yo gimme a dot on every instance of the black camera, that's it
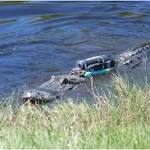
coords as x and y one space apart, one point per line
96 63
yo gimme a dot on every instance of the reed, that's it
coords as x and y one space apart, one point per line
119 120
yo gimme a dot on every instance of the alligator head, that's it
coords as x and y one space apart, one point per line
53 89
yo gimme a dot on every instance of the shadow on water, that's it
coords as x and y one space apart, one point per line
40 39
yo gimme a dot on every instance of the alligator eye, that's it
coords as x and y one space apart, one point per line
65 81
79 65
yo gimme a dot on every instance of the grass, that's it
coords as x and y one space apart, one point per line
119 120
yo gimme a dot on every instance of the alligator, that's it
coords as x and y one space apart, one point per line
83 71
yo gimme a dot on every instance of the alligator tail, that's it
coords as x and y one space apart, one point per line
134 57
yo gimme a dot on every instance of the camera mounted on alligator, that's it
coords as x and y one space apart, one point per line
60 85
93 66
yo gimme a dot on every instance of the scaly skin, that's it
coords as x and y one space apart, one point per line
53 89
134 57
58 85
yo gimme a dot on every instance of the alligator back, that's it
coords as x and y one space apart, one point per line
57 86
134 57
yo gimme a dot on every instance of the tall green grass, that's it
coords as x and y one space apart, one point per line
119 120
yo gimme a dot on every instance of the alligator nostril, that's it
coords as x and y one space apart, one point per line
28 100
25 100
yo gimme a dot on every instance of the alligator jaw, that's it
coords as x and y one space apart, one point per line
39 97
53 89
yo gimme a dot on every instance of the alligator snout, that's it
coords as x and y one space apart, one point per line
39 97
53 89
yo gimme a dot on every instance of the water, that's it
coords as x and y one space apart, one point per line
40 39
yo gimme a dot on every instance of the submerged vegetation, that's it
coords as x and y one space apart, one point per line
105 124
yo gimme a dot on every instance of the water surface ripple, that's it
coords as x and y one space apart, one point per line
38 39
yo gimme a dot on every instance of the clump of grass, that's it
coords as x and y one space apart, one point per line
80 125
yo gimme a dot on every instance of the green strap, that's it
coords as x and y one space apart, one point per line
89 74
